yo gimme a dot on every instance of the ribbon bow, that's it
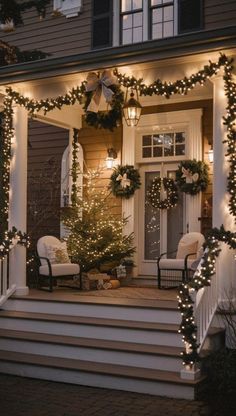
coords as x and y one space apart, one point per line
99 86
124 181
189 176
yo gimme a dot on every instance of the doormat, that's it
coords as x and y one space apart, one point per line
132 293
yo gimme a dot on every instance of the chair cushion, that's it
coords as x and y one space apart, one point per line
178 264
187 248
57 253
63 269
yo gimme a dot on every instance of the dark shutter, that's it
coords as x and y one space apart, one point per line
190 15
102 23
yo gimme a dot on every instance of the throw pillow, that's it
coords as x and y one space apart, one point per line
185 249
57 253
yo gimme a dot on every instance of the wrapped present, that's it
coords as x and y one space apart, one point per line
94 281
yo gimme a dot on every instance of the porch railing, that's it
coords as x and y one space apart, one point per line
205 306
7 288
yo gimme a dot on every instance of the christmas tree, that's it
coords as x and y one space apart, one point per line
95 233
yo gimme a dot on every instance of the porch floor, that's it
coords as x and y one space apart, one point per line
128 296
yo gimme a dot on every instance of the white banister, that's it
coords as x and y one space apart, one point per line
7 287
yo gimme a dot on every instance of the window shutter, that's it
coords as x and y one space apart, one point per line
101 25
190 15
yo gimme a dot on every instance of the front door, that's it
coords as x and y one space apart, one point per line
159 230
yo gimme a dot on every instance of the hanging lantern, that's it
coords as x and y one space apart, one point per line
132 110
111 156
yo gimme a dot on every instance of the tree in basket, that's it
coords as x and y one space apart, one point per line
95 233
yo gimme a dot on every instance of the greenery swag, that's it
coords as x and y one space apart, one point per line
165 89
124 181
154 193
192 176
10 238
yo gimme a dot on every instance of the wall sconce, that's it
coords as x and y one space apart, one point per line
211 155
132 109
111 156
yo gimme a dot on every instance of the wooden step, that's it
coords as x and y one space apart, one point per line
92 373
114 323
91 343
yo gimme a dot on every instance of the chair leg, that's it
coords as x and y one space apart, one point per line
158 278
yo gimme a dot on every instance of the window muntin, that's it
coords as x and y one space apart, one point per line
164 145
131 21
162 19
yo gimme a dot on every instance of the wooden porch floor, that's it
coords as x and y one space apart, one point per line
128 296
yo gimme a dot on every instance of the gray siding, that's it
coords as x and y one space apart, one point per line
219 13
56 35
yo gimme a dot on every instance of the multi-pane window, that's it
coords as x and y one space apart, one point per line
190 15
131 21
163 145
162 19
101 25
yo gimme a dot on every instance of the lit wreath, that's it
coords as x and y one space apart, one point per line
154 193
192 176
105 85
124 181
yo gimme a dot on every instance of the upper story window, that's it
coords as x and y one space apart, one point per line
162 18
131 21
102 23
190 15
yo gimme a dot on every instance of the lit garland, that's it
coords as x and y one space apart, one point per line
201 278
74 167
165 89
10 238
192 176
154 193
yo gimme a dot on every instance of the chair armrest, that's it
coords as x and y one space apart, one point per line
48 263
163 254
186 260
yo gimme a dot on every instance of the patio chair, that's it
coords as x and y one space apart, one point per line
173 271
54 263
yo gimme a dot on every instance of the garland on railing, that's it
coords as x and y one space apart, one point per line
201 278
8 241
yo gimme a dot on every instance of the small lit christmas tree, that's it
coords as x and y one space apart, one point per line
95 233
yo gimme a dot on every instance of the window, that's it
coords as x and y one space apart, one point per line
101 28
131 21
162 19
163 145
190 15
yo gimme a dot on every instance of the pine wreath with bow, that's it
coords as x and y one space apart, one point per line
124 181
192 176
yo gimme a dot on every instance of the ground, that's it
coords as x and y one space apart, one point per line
29 397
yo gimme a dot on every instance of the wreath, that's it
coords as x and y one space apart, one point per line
124 181
107 86
154 193
192 176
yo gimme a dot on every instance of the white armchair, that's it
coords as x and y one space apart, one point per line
54 262
173 271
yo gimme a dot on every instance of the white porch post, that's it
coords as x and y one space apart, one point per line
221 215
18 197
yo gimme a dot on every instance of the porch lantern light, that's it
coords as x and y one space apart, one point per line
111 156
211 155
132 110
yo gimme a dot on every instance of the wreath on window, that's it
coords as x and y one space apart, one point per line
124 181
105 86
154 196
192 176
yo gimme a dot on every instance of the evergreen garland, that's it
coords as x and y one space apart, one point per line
194 167
154 193
132 176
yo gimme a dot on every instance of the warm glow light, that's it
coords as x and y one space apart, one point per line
132 110
111 156
211 156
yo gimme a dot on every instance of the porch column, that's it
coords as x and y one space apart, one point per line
18 197
221 215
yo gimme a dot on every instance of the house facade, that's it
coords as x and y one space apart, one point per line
159 42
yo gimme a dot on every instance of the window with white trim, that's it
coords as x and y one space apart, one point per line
131 21
162 18
163 145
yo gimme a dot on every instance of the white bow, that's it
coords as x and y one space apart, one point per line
99 86
189 176
124 181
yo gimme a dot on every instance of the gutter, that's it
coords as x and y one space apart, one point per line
156 50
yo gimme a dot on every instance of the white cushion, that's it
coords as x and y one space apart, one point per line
41 249
177 264
66 269
190 238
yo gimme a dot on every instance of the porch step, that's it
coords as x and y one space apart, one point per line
157 382
95 328
113 352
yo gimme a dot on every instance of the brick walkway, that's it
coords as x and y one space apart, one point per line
29 397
